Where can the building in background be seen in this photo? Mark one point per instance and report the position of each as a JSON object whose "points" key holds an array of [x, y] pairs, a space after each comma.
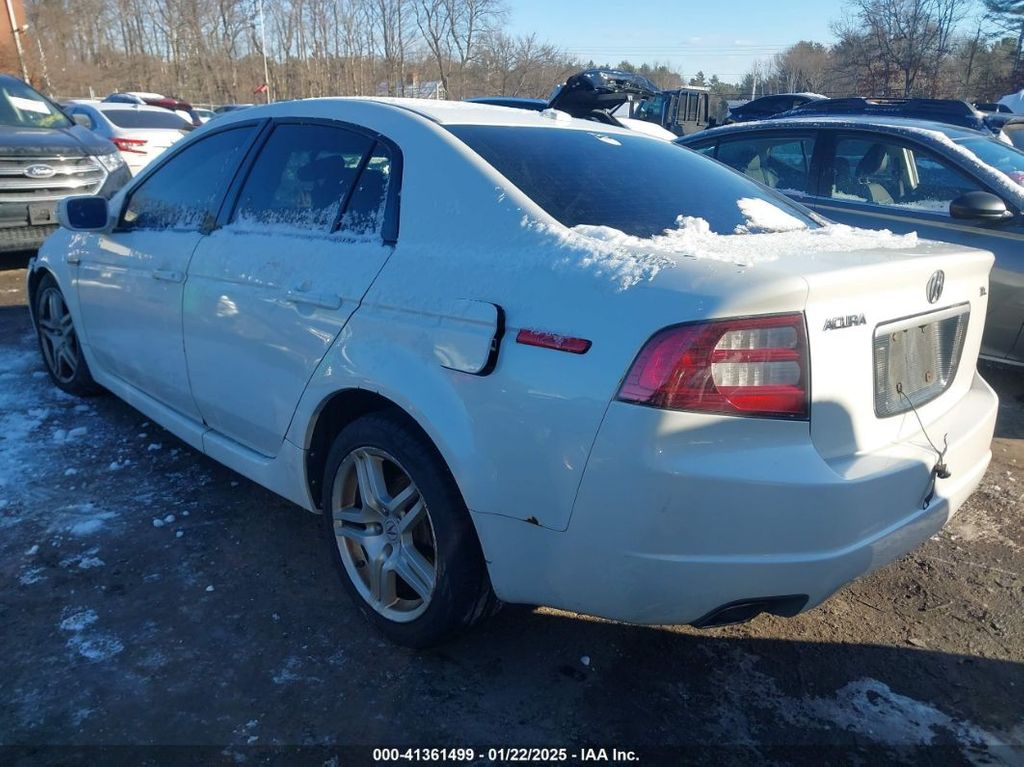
{"points": [[10, 61]]}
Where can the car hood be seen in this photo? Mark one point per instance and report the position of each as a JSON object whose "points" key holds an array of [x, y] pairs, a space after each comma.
{"points": [[41, 142]]}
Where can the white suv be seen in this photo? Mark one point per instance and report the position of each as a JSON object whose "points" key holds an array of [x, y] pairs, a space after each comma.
{"points": [[514, 357]]}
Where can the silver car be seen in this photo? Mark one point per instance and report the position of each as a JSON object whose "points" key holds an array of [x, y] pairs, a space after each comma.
{"points": [[944, 182]]}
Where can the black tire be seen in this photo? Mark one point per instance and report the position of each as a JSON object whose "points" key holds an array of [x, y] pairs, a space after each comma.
{"points": [[462, 592], [68, 370]]}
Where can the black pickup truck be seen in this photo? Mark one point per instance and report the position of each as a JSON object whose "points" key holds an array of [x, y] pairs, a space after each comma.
{"points": [[44, 157]]}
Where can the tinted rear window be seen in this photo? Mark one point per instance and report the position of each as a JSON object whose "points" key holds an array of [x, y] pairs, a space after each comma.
{"points": [[133, 118], [637, 185]]}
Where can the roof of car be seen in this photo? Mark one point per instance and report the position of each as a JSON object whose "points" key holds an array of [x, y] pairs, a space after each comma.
{"points": [[889, 124], [114, 106], [510, 101], [441, 112]]}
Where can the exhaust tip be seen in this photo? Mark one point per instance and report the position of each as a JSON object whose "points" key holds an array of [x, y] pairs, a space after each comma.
{"points": [[744, 610]]}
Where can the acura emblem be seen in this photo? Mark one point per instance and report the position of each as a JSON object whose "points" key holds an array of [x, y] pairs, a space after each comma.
{"points": [[935, 284], [39, 171]]}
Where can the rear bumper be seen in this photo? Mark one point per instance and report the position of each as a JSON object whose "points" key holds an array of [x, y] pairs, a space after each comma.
{"points": [[678, 515]]}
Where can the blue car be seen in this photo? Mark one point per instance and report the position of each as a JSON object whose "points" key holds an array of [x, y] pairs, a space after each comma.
{"points": [[944, 182]]}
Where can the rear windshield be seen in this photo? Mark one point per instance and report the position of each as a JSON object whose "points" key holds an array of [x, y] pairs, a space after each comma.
{"points": [[23, 107], [137, 118], [637, 185]]}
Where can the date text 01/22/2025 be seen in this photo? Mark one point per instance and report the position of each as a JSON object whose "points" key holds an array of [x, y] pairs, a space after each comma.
{"points": [[505, 754]]}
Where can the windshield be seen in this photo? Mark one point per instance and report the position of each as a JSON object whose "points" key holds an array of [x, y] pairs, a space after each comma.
{"points": [[637, 185], [23, 107], [1004, 158], [137, 118], [650, 109]]}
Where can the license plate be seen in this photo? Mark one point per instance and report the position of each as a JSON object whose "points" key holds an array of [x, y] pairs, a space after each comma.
{"points": [[41, 214], [916, 359]]}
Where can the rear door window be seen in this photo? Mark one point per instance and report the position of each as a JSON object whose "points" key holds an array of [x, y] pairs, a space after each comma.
{"points": [[303, 177], [781, 162]]}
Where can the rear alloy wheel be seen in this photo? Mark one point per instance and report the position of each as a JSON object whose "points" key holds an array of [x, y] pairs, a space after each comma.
{"points": [[400, 532], [58, 341], [385, 537]]}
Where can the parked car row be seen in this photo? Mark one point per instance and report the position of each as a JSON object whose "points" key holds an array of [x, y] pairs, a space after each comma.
{"points": [[140, 133], [44, 157], [946, 183], [514, 356]]}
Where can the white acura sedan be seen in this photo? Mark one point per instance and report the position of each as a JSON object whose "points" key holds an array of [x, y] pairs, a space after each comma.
{"points": [[515, 357]]}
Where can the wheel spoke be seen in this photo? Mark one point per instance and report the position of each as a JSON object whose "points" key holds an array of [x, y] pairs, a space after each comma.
{"points": [[405, 499], [358, 534], [55, 305], [412, 517], [415, 570], [372, 488], [64, 353], [381, 580], [360, 515]]}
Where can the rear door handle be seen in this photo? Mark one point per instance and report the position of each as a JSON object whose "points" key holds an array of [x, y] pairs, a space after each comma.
{"points": [[321, 300], [168, 275]]}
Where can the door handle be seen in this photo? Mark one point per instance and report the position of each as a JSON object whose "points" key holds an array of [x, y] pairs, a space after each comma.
{"points": [[168, 275], [321, 300], [73, 260]]}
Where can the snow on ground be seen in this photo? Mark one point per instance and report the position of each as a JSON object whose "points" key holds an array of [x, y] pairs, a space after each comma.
{"points": [[865, 707]]}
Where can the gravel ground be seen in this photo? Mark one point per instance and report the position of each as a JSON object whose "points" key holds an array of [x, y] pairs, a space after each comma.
{"points": [[149, 596]]}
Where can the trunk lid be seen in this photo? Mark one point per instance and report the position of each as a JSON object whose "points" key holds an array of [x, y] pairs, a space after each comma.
{"points": [[884, 334]]}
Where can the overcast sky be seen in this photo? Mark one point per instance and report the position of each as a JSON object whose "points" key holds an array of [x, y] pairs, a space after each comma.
{"points": [[722, 38]]}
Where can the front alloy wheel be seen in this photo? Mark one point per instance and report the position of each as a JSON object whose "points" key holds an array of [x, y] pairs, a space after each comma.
{"points": [[385, 537], [57, 335], [58, 341]]}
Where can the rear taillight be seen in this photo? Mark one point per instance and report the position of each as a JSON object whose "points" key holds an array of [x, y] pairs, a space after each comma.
{"points": [[754, 366], [130, 144]]}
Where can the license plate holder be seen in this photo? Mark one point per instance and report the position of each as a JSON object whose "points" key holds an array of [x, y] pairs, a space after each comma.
{"points": [[41, 213]]}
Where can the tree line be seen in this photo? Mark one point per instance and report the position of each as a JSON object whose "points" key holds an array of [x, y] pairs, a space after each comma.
{"points": [[213, 51], [904, 48]]}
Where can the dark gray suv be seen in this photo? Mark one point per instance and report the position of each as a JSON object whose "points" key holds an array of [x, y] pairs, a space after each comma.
{"points": [[944, 182], [45, 157]]}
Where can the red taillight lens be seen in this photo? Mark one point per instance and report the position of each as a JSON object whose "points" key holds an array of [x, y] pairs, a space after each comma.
{"points": [[130, 144], [755, 366]]}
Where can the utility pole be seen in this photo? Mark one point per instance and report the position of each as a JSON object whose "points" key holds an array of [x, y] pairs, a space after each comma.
{"points": [[16, 32], [263, 44]]}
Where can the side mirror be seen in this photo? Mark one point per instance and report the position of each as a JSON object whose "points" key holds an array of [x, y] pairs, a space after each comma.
{"points": [[979, 206], [82, 120], [83, 213]]}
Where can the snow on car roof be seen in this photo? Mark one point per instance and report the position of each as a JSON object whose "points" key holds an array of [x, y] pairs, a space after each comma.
{"points": [[470, 113], [440, 112], [842, 121]]}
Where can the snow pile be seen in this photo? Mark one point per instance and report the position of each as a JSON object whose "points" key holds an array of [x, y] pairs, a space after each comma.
{"points": [[629, 260], [762, 216]]}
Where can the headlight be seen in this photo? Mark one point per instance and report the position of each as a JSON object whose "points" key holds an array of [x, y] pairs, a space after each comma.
{"points": [[111, 161]]}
